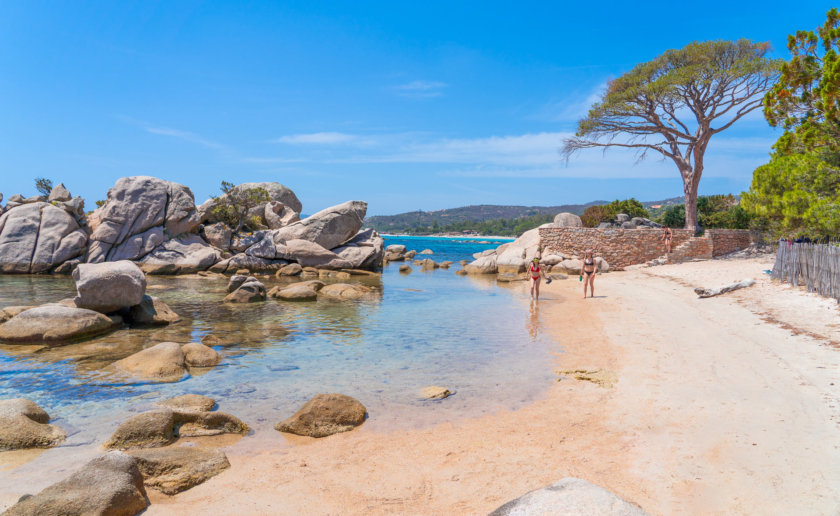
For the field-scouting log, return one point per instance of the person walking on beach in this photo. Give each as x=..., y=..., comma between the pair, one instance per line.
x=587, y=273
x=536, y=275
x=666, y=237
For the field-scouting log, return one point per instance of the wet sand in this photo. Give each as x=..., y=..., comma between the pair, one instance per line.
x=725, y=405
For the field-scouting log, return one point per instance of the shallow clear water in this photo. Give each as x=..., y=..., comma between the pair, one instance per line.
x=426, y=328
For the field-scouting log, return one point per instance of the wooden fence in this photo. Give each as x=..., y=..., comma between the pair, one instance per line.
x=817, y=266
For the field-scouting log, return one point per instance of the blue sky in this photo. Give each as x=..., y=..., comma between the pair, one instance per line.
x=422, y=105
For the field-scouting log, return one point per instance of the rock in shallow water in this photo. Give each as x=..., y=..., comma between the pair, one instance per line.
x=325, y=414
x=55, y=324
x=162, y=362
x=23, y=424
x=193, y=402
x=569, y=496
x=199, y=355
x=435, y=392
x=151, y=312
x=249, y=292
x=172, y=470
x=344, y=291
x=108, y=485
x=107, y=287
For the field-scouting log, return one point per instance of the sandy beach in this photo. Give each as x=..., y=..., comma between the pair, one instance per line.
x=727, y=405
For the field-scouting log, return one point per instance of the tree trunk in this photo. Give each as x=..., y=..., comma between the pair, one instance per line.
x=690, y=189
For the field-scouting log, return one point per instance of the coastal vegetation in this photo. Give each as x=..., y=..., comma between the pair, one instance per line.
x=674, y=104
x=236, y=210
x=798, y=191
x=44, y=186
x=599, y=213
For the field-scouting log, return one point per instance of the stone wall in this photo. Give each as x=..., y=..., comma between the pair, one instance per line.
x=725, y=241
x=624, y=247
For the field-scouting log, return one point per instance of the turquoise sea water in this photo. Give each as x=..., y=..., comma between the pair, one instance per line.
x=426, y=328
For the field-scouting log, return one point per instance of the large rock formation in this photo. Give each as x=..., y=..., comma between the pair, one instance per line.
x=23, y=424
x=569, y=496
x=54, y=324
x=364, y=251
x=37, y=237
x=140, y=214
x=107, y=287
x=567, y=220
x=186, y=254
x=515, y=255
x=277, y=193
x=328, y=228
x=108, y=485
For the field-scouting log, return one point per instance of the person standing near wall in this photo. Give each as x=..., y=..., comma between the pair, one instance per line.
x=667, y=236
x=587, y=272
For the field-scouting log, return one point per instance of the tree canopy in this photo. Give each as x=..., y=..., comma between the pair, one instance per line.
x=805, y=101
x=675, y=103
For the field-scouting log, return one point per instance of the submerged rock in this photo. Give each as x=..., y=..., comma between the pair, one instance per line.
x=11, y=311
x=248, y=292
x=164, y=362
x=108, y=485
x=406, y=268
x=161, y=427
x=305, y=291
x=343, y=291
x=107, y=287
x=23, y=424
x=325, y=414
x=192, y=402
x=172, y=470
x=54, y=324
x=569, y=496
x=151, y=311
x=435, y=392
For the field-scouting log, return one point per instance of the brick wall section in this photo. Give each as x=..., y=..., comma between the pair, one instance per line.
x=624, y=247
x=726, y=241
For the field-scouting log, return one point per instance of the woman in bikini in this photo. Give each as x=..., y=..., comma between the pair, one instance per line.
x=666, y=237
x=536, y=275
x=588, y=271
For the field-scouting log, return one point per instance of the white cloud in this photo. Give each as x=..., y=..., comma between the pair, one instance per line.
x=324, y=138
x=421, y=89
x=184, y=135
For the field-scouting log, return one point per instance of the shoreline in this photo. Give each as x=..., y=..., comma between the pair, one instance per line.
x=724, y=405
x=674, y=434
x=469, y=238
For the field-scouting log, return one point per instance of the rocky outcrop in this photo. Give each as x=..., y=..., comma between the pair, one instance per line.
x=277, y=215
x=23, y=424
x=185, y=254
x=218, y=235
x=139, y=214
x=276, y=193
x=172, y=470
x=310, y=254
x=483, y=265
x=38, y=237
x=108, y=485
x=325, y=414
x=515, y=255
x=107, y=287
x=54, y=324
x=328, y=228
x=567, y=220
x=11, y=311
x=569, y=496
x=364, y=251
x=161, y=427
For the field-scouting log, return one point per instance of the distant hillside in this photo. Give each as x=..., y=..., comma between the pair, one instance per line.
x=413, y=220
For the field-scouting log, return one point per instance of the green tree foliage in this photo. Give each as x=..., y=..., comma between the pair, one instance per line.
x=674, y=104
x=233, y=206
x=498, y=227
x=43, y=185
x=798, y=194
x=595, y=215
x=805, y=101
x=714, y=211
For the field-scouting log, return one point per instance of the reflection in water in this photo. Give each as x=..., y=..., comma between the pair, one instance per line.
x=436, y=328
x=533, y=322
